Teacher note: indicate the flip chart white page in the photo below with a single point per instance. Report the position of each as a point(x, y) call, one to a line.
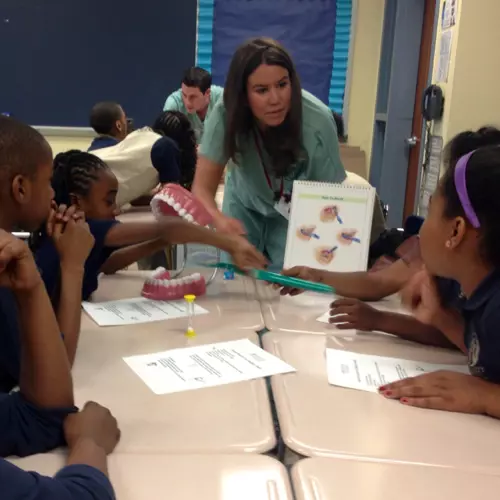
point(207, 365)
point(367, 373)
point(137, 310)
point(330, 226)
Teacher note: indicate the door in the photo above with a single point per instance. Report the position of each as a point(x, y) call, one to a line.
point(393, 137)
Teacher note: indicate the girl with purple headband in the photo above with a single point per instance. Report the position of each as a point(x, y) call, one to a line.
point(460, 241)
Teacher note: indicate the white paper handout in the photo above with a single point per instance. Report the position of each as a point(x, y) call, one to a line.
point(138, 310)
point(207, 365)
point(330, 226)
point(367, 373)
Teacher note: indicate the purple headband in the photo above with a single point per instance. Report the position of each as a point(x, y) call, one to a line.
point(461, 187)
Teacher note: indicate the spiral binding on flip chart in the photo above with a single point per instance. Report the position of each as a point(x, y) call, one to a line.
point(330, 226)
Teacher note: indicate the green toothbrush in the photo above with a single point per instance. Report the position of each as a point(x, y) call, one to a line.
point(277, 278)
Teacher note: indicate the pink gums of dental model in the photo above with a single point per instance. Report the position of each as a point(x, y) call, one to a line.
point(174, 200)
point(161, 287)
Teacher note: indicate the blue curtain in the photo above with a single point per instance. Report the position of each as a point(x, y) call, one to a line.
point(305, 27)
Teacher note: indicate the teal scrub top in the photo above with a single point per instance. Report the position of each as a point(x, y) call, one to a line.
point(174, 102)
point(247, 195)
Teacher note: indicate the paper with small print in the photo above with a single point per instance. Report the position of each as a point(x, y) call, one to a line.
point(367, 373)
point(137, 310)
point(324, 318)
point(208, 365)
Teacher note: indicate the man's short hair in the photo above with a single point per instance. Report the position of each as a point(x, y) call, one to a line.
point(197, 77)
point(104, 115)
point(22, 148)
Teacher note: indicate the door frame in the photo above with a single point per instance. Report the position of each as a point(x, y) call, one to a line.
point(424, 78)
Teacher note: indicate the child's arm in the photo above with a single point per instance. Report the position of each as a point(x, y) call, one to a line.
point(361, 285)
point(73, 242)
point(449, 391)
point(174, 230)
point(45, 378)
point(124, 257)
point(354, 314)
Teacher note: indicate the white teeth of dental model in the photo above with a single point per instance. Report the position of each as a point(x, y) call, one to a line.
point(189, 218)
point(170, 201)
point(182, 212)
point(177, 207)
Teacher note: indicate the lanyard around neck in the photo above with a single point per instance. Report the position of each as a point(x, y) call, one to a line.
point(277, 194)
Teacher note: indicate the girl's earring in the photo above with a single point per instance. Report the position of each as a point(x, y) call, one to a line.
point(448, 244)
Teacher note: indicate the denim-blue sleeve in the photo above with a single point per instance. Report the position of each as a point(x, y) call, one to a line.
point(26, 429)
point(75, 482)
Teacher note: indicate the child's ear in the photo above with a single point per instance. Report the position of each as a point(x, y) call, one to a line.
point(21, 189)
point(458, 233)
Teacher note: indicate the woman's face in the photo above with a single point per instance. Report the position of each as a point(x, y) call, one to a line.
point(269, 93)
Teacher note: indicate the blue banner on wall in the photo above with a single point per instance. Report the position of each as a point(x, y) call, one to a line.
point(305, 27)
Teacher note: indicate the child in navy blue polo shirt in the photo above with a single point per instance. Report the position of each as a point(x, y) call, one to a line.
point(40, 416)
point(460, 241)
point(81, 179)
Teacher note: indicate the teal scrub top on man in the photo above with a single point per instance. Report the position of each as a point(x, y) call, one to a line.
point(247, 195)
point(175, 102)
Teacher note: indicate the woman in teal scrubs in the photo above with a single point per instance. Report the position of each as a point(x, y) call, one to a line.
point(269, 132)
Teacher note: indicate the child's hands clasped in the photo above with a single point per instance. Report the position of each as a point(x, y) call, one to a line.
point(18, 270)
point(354, 314)
point(71, 235)
point(443, 390)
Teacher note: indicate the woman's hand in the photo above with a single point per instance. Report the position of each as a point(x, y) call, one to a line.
point(443, 390)
point(245, 255)
point(301, 272)
point(18, 270)
point(225, 224)
point(348, 314)
point(422, 298)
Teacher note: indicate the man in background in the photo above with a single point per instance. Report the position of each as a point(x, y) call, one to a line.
point(196, 98)
point(110, 123)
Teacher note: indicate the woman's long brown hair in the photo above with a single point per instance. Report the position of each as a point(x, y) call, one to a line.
point(284, 142)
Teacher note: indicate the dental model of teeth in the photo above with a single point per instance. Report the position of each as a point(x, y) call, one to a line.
point(174, 200)
point(161, 287)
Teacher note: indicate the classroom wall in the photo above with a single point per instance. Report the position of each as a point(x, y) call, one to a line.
point(367, 23)
point(60, 143)
point(472, 90)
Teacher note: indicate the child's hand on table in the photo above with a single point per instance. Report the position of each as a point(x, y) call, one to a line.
point(301, 272)
point(94, 423)
point(443, 390)
point(18, 270)
point(347, 314)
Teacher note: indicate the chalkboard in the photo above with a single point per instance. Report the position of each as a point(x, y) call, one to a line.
point(59, 57)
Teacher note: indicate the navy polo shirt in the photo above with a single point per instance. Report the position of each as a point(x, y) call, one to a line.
point(449, 292)
point(74, 482)
point(47, 260)
point(481, 312)
point(101, 142)
point(10, 342)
